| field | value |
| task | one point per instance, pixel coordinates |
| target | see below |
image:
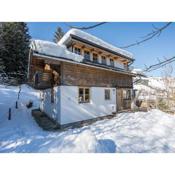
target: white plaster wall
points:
(51, 109)
(72, 111)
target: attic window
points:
(95, 58)
(87, 55)
(112, 62)
(125, 66)
(77, 50)
(103, 60)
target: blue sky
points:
(119, 34)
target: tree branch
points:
(87, 27)
(149, 36)
(159, 65)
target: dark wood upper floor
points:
(45, 73)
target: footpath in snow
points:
(139, 132)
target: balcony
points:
(105, 65)
(44, 80)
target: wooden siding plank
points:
(78, 75)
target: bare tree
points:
(167, 79)
(160, 64)
(156, 32)
(87, 27)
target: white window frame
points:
(93, 57)
(79, 49)
(112, 62)
(84, 95)
(103, 58)
(89, 55)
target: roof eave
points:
(35, 53)
(72, 36)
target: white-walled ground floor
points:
(71, 104)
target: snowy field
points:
(138, 132)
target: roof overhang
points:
(99, 46)
(88, 64)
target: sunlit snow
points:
(139, 132)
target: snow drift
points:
(138, 132)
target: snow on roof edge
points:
(84, 35)
(53, 49)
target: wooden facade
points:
(48, 73)
(78, 75)
(123, 103)
(99, 67)
(71, 74)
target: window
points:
(103, 60)
(127, 94)
(87, 55)
(107, 94)
(84, 95)
(112, 62)
(77, 50)
(95, 58)
(125, 66)
(52, 95)
(134, 93)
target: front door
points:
(119, 99)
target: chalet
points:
(82, 77)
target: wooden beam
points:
(51, 62)
(98, 51)
(92, 49)
(83, 46)
(124, 61)
(109, 55)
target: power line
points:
(149, 36)
(87, 27)
(159, 65)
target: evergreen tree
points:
(14, 49)
(58, 34)
(1, 50)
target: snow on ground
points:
(139, 132)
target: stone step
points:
(45, 122)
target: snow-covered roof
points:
(153, 83)
(138, 72)
(53, 49)
(57, 51)
(86, 36)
